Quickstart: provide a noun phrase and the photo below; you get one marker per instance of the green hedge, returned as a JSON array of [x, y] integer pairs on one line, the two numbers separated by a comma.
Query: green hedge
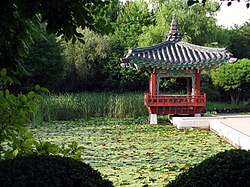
[[50, 171], [225, 169]]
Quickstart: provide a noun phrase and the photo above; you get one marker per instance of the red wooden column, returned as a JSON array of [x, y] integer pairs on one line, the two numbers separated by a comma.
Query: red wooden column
[[153, 92], [198, 82], [152, 83]]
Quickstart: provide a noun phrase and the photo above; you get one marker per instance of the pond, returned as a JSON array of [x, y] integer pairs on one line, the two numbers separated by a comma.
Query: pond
[[130, 152]]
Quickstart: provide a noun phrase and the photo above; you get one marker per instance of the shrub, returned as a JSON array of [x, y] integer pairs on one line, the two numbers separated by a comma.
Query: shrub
[[230, 168], [15, 137], [50, 171], [15, 109]]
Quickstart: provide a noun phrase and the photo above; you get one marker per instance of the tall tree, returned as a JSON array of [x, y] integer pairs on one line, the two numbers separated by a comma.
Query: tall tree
[[109, 16], [130, 22], [20, 20], [240, 41], [44, 63], [196, 24], [85, 62], [133, 16], [229, 2]]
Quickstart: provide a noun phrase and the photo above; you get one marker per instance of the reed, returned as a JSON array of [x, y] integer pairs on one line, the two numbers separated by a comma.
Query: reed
[[84, 105], [107, 104]]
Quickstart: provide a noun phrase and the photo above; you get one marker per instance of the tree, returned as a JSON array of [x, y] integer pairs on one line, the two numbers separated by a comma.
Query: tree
[[130, 21], [207, 86], [85, 62], [20, 22], [196, 24], [109, 16], [19, 25], [44, 63], [133, 16], [229, 2], [240, 41], [234, 78]]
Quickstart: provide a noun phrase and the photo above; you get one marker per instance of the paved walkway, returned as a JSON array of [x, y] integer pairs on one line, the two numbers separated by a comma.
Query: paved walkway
[[234, 128], [240, 123]]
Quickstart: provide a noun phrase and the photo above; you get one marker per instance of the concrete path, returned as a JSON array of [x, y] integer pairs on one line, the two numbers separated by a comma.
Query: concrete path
[[240, 123], [233, 128]]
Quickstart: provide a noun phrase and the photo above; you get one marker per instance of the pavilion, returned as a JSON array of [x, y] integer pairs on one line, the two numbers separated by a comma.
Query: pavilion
[[174, 58]]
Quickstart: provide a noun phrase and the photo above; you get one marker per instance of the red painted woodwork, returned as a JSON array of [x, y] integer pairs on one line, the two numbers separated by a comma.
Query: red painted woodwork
[[175, 58], [152, 83], [174, 104], [197, 78]]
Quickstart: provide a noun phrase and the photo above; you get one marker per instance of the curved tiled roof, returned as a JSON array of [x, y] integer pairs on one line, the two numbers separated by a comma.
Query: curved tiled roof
[[175, 53]]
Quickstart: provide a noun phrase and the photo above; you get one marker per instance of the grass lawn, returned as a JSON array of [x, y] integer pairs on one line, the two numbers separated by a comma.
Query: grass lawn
[[130, 152]]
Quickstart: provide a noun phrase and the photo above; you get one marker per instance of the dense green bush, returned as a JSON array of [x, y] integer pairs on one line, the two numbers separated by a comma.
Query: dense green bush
[[230, 168], [49, 171], [233, 78]]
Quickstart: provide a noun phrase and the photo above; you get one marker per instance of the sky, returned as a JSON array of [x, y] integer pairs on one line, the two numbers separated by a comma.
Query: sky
[[237, 13]]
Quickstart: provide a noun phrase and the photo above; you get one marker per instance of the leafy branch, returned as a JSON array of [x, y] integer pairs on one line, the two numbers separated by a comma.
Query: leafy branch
[[229, 2]]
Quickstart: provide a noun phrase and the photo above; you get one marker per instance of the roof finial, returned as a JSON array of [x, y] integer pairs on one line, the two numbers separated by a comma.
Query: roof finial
[[173, 33], [174, 27]]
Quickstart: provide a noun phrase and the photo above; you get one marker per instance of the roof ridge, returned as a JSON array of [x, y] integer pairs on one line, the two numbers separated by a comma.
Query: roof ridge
[[203, 47]]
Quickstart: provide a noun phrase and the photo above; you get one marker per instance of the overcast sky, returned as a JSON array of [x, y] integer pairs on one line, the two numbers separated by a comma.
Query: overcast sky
[[237, 13]]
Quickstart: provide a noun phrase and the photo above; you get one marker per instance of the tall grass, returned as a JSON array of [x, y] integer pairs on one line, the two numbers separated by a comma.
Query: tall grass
[[75, 106], [84, 105]]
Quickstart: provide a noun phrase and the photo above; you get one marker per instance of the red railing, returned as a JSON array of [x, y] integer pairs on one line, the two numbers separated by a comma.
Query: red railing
[[174, 104], [174, 100]]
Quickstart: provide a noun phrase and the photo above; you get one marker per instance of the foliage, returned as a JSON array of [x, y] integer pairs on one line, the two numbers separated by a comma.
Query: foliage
[[127, 28], [229, 2], [130, 152], [233, 78], [41, 171], [85, 62], [84, 105], [15, 137], [173, 86], [122, 79], [20, 22], [130, 22], [229, 168], [109, 16], [44, 63], [212, 92], [14, 112], [106, 104], [200, 17], [240, 41], [226, 107]]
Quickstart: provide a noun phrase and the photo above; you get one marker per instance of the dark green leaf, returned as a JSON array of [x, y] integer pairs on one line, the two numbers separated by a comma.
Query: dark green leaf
[[3, 72]]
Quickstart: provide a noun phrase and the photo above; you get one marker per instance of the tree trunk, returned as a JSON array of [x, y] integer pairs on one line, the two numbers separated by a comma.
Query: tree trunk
[[235, 95]]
